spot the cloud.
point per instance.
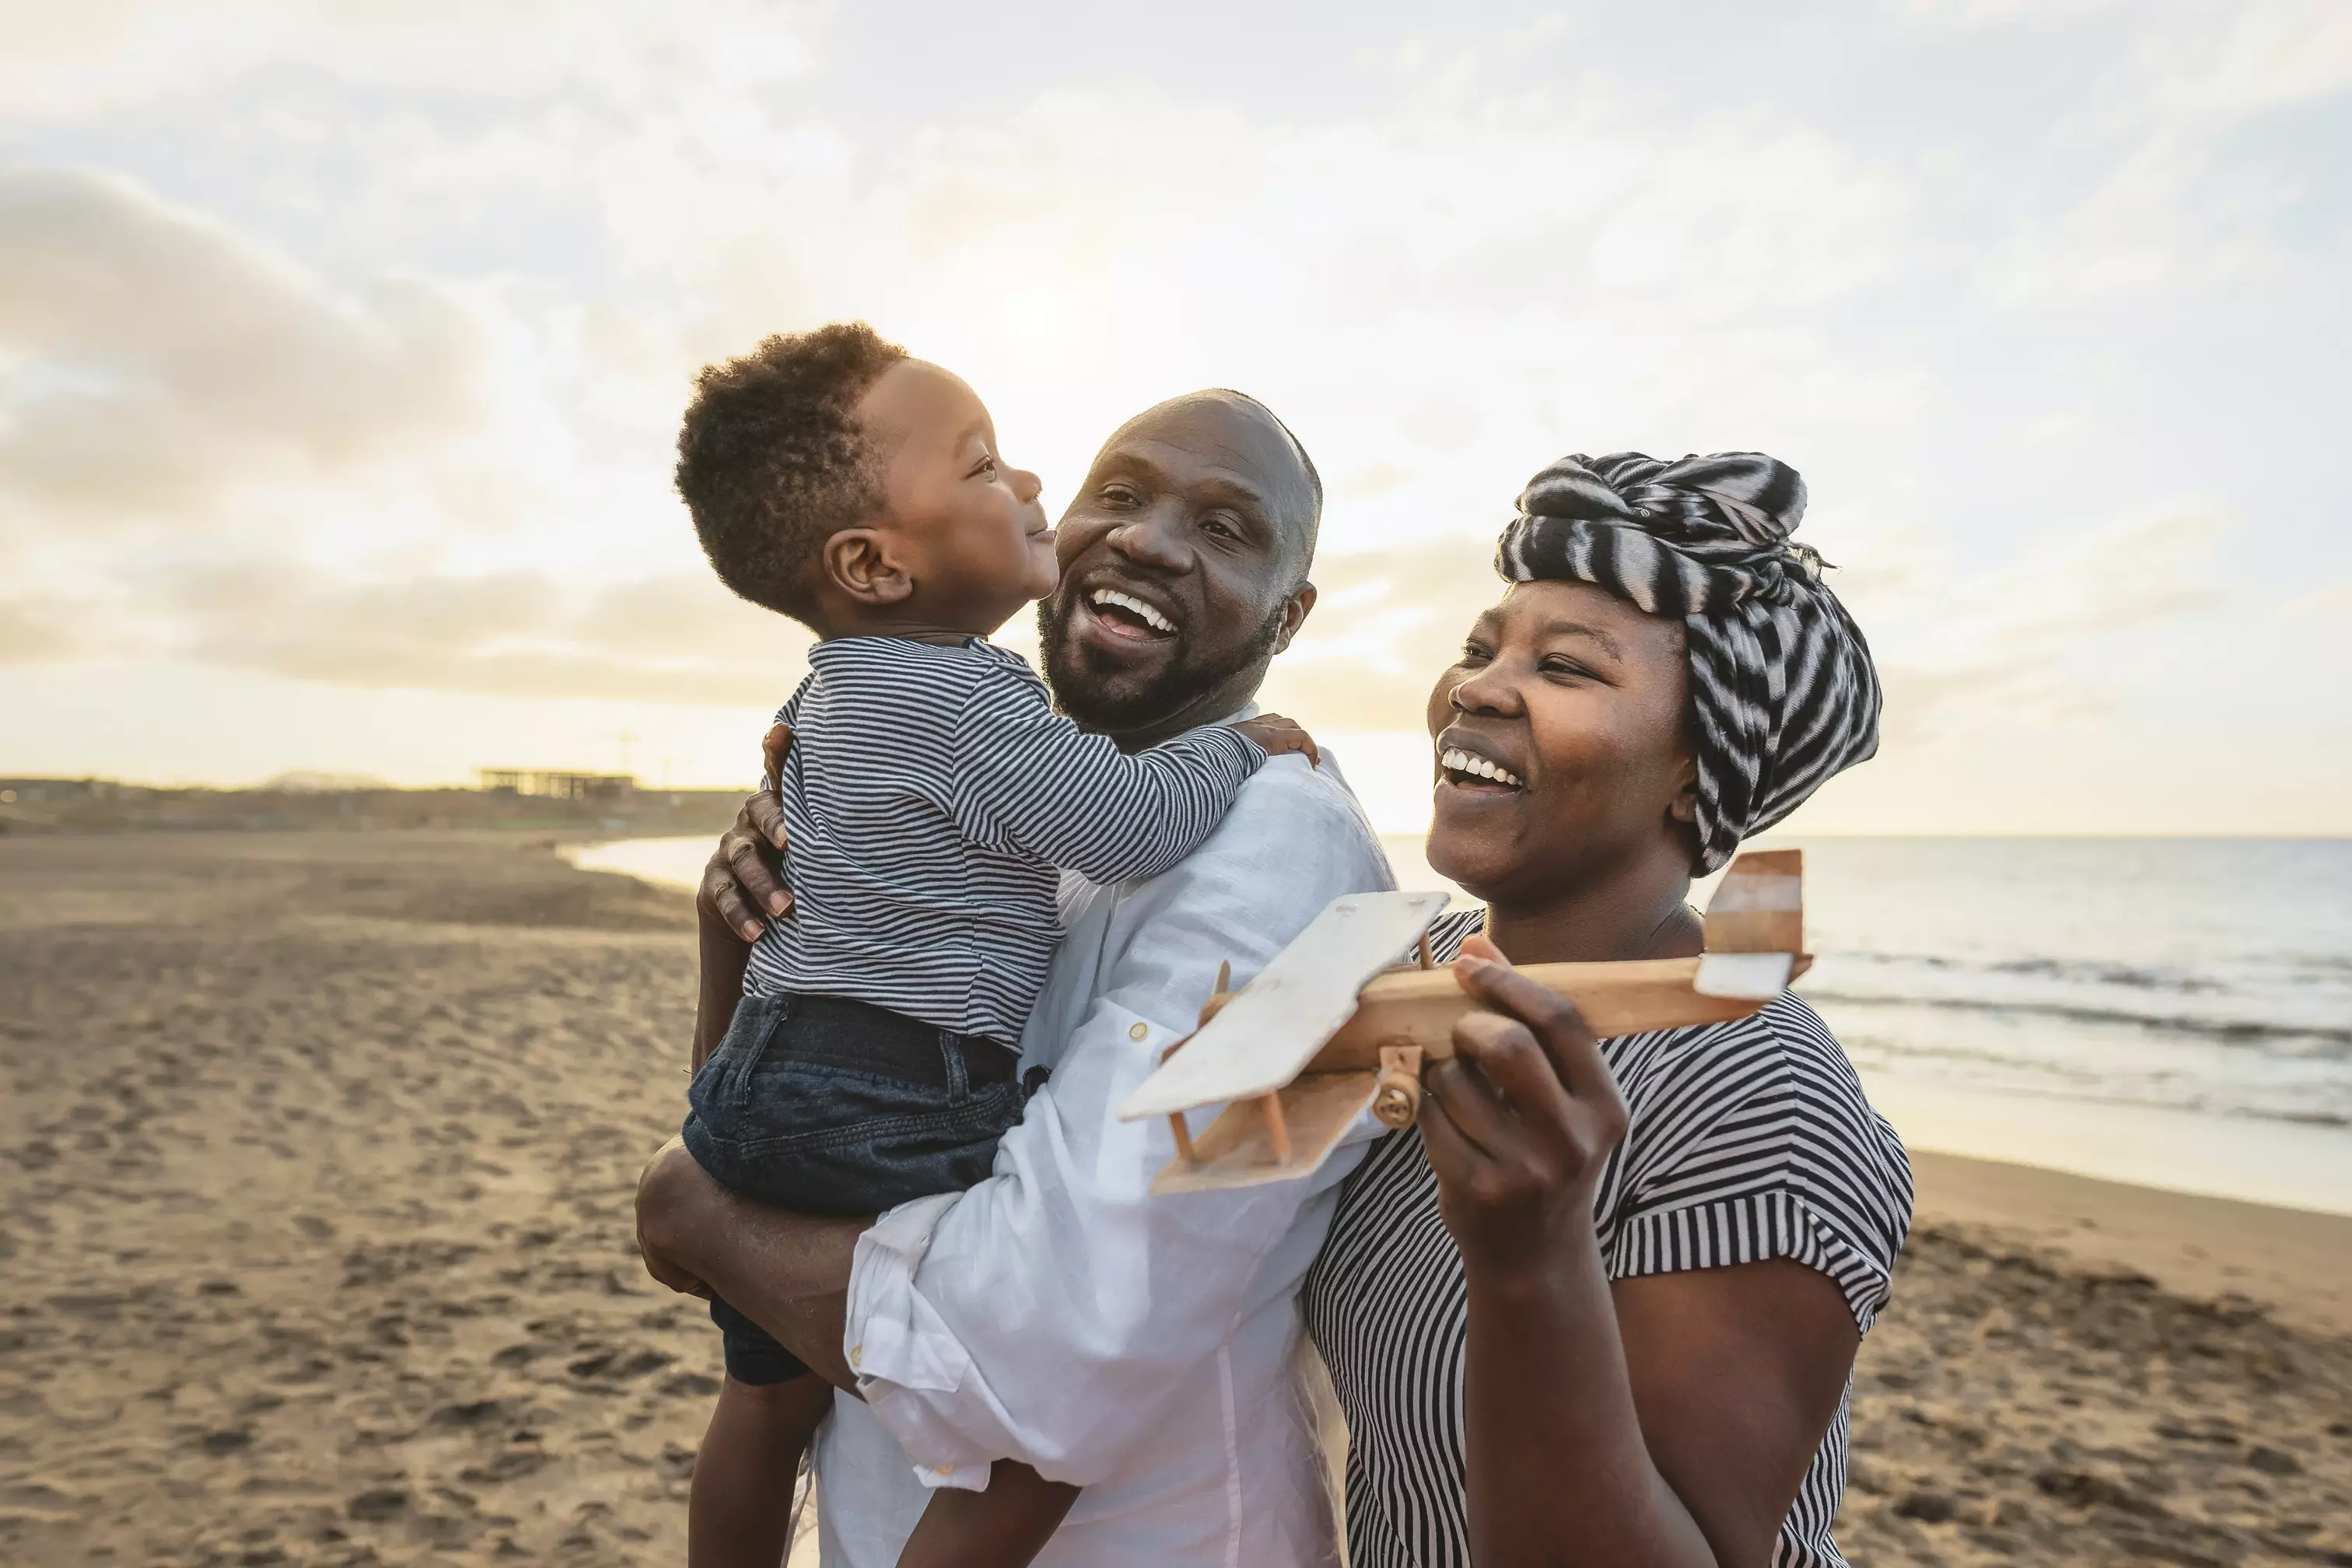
(2333, 602)
(2174, 204)
(2024, 640)
(2038, 638)
(682, 640)
(1385, 623)
(155, 363)
(100, 57)
(2242, 56)
(32, 635)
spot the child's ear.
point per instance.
(865, 563)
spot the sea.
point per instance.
(2173, 1013)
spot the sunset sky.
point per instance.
(342, 346)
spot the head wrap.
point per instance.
(1782, 693)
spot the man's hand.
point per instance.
(655, 1204)
(787, 1272)
(743, 885)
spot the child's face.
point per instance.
(976, 542)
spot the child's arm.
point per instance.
(1030, 780)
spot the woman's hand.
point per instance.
(1519, 1122)
(744, 882)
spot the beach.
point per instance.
(315, 1162)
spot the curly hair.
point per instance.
(771, 462)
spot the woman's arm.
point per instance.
(1665, 1420)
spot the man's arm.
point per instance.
(741, 888)
(787, 1272)
(1050, 1313)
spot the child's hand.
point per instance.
(1276, 734)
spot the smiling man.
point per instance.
(1057, 1314)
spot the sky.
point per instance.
(342, 348)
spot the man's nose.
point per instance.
(1149, 539)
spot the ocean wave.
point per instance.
(2077, 972)
(2337, 1041)
(2008, 1073)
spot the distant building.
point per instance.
(33, 792)
(603, 788)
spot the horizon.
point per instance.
(313, 782)
(341, 354)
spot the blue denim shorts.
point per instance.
(832, 1106)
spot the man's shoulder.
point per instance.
(1302, 818)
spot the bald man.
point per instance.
(1057, 1314)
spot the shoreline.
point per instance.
(2295, 1262)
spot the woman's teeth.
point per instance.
(1113, 598)
(1460, 761)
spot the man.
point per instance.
(1057, 1314)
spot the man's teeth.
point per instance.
(1134, 606)
(1461, 762)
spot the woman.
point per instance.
(1601, 1305)
(1663, 1249)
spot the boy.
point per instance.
(931, 796)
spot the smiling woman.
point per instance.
(1665, 1247)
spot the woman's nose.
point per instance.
(1485, 691)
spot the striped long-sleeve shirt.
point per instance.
(933, 796)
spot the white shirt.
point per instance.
(1059, 1314)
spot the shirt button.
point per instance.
(856, 1355)
(947, 1469)
(1138, 1031)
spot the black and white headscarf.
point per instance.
(1782, 693)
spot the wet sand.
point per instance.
(315, 1156)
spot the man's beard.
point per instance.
(1122, 704)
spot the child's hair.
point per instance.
(770, 460)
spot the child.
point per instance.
(930, 794)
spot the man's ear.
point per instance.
(865, 563)
(1293, 615)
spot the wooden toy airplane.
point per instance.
(1332, 1024)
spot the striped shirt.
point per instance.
(1747, 1141)
(931, 796)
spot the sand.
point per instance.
(315, 1156)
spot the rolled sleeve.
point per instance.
(900, 1348)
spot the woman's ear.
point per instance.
(1683, 807)
(865, 563)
